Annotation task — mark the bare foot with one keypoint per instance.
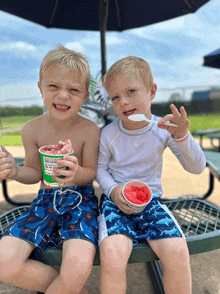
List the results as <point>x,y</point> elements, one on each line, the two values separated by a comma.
<point>84,291</point>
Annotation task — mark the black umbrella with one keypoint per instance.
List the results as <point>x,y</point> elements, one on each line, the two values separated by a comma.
<point>212,59</point>
<point>99,15</point>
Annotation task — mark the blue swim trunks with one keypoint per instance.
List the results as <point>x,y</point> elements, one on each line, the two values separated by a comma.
<point>155,222</point>
<point>59,214</point>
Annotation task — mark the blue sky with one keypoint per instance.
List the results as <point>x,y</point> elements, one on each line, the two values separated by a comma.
<point>174,49</point>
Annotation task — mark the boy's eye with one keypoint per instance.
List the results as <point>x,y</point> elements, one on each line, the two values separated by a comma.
<point>74,90</point>
<point>114,98</point>
<point>53,86</point>
<point>131,91</point>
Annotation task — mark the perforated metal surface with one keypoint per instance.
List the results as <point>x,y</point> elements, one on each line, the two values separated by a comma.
<point>199,220</point>
<point>195,216</point>
<point>7,218</point>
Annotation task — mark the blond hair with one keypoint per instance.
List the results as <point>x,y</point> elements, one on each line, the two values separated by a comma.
<point>64,57</point>
<point>131,65</point>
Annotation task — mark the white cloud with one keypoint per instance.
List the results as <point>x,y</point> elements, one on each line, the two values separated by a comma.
<point>20,94</point>
<point>92,38</point>
<point>76,46</point>
<point>20,46</point>
<point>113,39</point>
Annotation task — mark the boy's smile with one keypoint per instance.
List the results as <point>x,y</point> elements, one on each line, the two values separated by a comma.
<point>61,107</point>
<point>130,96</point>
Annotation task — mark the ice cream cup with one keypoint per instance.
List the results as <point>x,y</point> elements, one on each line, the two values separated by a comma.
<point>137,208</point>
<point>49,162</point>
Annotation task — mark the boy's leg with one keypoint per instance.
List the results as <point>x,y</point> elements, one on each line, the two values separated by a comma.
<point>17,269</point>
<point>174,254</point>
<point>77,262</point>
<point>115,251</point>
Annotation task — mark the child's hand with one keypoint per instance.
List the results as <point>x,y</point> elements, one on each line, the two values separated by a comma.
<point>69,161</point>
<point>177,118</point>
<point>8,169</point>
<point>117,198</point>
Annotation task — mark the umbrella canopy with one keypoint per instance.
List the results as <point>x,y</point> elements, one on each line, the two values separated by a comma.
<point>99,15</point>
<point>212,59</point>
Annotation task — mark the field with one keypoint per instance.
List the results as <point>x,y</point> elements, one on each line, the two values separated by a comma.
<point>198,122</point>
<point>13,139</point>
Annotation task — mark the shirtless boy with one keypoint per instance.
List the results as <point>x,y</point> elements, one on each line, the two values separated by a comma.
<point>64,216</point>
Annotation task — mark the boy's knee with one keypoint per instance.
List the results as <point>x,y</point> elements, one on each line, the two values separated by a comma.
<point>81,267</point>
<point>9,268</point>
<point>115,255</point>
<point>178,253</point>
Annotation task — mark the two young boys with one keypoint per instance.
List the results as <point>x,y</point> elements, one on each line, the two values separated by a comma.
<point>128,150</point>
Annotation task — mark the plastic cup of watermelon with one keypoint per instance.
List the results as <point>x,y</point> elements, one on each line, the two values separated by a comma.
<point>49,162</point>
<point>138,195</point>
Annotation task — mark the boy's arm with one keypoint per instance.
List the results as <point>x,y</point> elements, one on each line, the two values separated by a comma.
<point>105,180</point>
<point>182,144</point>
<point>31,172</point>
<point>189,154</point>
<point>84,173</point>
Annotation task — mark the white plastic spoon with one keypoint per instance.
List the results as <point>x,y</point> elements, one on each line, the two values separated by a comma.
<point>141,117</point>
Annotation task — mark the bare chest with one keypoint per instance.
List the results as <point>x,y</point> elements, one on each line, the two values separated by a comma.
<point>76,138</point>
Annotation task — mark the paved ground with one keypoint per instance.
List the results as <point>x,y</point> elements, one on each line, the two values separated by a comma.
<point>176,182</point>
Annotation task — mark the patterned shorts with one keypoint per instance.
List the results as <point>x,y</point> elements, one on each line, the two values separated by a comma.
<point>59,214</point>
<point>155,222</point>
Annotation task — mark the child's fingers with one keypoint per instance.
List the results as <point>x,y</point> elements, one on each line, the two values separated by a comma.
<point>4,174</point>
<point>122,200</point>
<point>174,110</point>
<point>126,209</point>
<point>168,117</point>
<point>183,113</point>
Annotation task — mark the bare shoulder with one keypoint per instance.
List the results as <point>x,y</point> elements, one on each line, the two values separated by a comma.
<point>33,126</point>
<point>88,126</point>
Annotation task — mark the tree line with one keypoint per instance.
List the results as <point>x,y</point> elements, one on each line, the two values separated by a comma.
<point>20,111</point>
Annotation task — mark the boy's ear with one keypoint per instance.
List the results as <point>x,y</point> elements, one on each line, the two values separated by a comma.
<point>153,91</point>
<point>39,86</point>
<point>86,96</point>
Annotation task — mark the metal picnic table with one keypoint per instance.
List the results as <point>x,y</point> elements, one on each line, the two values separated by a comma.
<point>213,136</point>
<point>208,132</point>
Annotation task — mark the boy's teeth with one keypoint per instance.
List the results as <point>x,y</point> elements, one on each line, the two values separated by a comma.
<point>62,106</point>
<point>127,112</point>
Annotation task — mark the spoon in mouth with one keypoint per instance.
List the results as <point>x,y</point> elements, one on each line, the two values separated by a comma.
<point>141,117</point>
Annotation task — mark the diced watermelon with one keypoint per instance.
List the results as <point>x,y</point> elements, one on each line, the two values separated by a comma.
<point>137,195</point>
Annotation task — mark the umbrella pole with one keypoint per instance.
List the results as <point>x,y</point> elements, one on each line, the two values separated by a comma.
<point>103,16</point>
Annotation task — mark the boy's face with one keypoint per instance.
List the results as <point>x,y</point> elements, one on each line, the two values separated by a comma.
<point>63,92</point>
<point>130,96</point>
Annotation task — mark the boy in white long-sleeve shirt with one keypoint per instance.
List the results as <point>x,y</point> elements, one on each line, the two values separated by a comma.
<point>133,151</point>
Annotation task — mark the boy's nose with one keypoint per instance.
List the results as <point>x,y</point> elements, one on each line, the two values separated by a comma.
<point>63,93</point>
<point>124,100</point>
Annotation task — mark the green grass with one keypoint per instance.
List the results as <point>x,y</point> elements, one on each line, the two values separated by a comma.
<point>204,122</point>
<point>13,139</point>
<point>15,121</point>
<point>198,122</point>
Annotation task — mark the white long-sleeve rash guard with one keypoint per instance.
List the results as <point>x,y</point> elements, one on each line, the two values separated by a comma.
<point>126,155</point>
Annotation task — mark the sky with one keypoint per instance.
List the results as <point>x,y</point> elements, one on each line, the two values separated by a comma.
<point>174,49</point>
